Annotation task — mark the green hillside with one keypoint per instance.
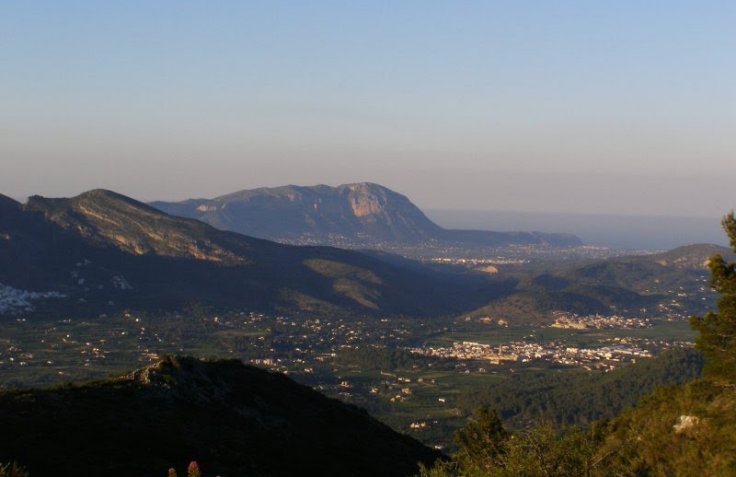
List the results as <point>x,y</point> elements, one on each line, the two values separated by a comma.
<point>687,430</point>
<point>672,283</point>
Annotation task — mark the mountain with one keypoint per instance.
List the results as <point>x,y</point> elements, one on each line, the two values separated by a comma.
<point>102,250</point>
<point>231,418</point>
<point>679,273</point>
<point>672,283</point>
<point>355,215</point>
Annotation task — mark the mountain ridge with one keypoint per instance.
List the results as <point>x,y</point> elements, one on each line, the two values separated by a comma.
<point>105,251</point>
<point>356,214</point>
<point>105,247</point>
<point>640,284</point>
<point>232,418</point>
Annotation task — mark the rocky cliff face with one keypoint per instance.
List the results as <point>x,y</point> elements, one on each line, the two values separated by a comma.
<point>353,213</point>
<point>362,214</point>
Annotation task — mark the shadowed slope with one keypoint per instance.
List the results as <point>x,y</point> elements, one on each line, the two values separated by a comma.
<point>104,248</point>
<point>233,419</point>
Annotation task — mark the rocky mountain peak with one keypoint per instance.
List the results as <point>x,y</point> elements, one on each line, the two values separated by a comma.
<point>358,215</point>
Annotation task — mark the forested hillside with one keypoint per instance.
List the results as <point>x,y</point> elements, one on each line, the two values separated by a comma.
<point>687,430</point>
<point>579,397</point>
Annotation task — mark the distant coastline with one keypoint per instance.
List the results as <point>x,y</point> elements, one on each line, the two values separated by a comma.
<point>617,231</point>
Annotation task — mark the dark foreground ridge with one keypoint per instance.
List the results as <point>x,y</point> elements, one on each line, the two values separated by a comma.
<point>235,420</point>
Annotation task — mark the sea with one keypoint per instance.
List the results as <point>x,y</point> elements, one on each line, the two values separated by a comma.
<point>635,232</point>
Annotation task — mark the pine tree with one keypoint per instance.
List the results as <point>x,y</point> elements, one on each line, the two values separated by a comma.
<point>717,339</point>
<point>483,440</point>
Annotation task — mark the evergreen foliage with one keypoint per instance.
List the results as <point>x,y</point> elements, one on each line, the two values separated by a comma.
<point>679,431</point>
<point>580,397</point>
<point>13,469</point>
<point>717,338</point>
<point>483,442</point>
<point>487,449</point>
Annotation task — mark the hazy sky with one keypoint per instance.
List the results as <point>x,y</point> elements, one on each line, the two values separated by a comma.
<point>549,105</point>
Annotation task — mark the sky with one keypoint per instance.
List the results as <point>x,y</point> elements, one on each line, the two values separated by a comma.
<point>616,107</point>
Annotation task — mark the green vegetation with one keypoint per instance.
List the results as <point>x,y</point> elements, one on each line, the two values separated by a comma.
<point>717,337</point>
<point>664,284</point>
<point>676,431</point>
<point>487,449</point>
<point>576,397</point>
<point>443,396</point>
<point>362,360</point>
<point>376,366</point>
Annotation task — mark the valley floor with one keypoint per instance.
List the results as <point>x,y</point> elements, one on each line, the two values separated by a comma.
<point>424,378</point>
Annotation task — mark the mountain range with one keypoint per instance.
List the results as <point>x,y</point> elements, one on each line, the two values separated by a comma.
<point>231,418</point>
<point>102,250</point>
<point>350,215</point>
<point>667,283</point>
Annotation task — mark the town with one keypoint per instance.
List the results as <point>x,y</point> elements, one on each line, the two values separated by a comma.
<point>605,357</point>
<point>598,322</point>
<point>397,368</point>
<point>305,345</point>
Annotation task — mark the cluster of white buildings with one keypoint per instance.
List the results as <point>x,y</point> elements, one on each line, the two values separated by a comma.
<point>520,351</point>
<point>14,300</point>
<point>475,262</point>
<point>598,322</point>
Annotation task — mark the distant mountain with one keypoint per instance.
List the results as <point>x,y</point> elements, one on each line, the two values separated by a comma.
<point>101,251</point>
<point>361,214</point>
<point>105,251</point>
<point>231,418</point>
<point>667,270</point>
<point>669,283</point>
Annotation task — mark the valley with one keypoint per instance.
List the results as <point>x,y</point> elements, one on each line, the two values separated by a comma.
<point>407,372</point>
<point>419,334</point>
<point>370,239</point>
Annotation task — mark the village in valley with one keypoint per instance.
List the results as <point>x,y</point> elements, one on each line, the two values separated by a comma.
<point>54,351</point>
<point>408,371</point>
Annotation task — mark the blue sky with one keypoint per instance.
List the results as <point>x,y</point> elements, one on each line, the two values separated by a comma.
<point>572,106</point>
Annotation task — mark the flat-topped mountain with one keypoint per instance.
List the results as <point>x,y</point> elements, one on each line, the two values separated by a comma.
<point>362,214</point>
<point>351,212</point>
<point>104,249</point>
<point>233,419</point>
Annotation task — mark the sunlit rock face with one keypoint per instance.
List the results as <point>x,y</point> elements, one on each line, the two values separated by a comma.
<point>362,214</point>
